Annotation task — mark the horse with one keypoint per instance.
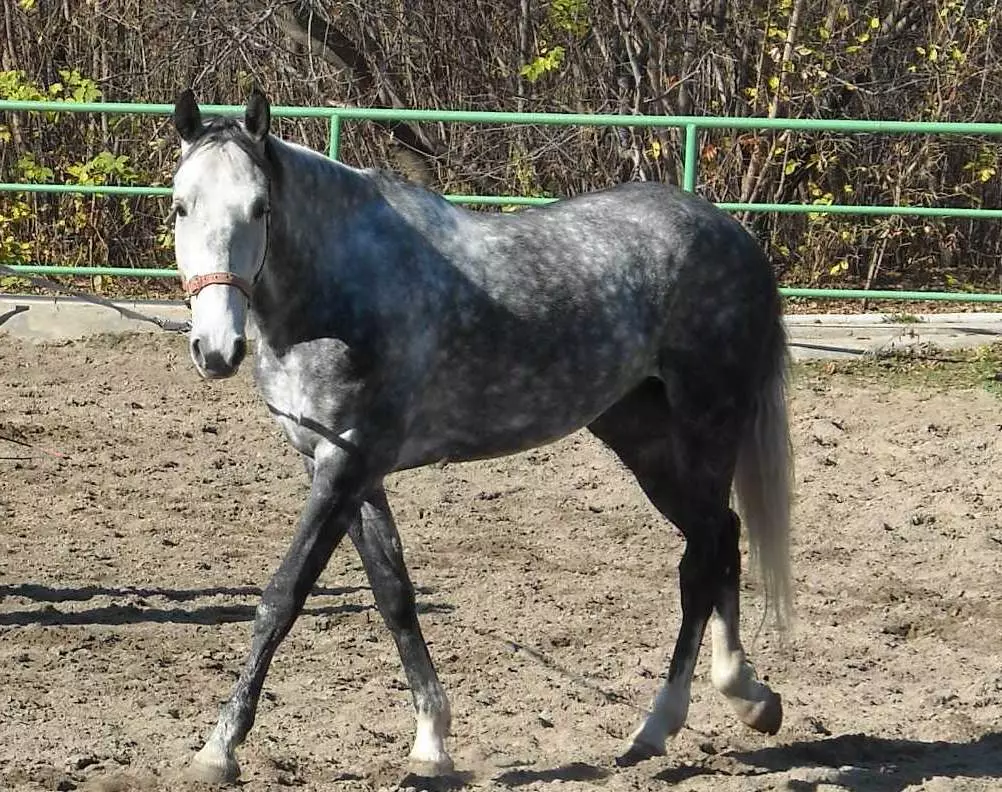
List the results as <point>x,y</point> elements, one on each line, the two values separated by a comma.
<point>396,330</point>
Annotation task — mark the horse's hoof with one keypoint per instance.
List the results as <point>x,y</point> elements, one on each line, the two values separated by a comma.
<point>431,768</point>
<point>211,766</point>
<point>765,716</point>
<point>638,752</point>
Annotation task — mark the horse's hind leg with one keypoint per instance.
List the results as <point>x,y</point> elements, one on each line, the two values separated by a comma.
<point>685,469</point>
<point>731,673</point>
<point>376,539</point>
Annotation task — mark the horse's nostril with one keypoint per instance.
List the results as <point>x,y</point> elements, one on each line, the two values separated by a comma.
<point>196,350</point>
<point>239,351</point>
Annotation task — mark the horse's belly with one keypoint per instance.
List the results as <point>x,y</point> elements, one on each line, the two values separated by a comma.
<point>457,447</point>
<point>459,430</point>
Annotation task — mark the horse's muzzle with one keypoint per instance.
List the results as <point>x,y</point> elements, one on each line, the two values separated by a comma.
<point>217,364</point>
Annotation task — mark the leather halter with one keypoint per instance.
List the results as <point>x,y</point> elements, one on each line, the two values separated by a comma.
<point>194,285</point>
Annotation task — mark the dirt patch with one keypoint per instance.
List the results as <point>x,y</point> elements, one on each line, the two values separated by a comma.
<point>146,509</point>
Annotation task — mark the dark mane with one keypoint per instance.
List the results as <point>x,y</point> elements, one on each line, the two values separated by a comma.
<point>219,131</point>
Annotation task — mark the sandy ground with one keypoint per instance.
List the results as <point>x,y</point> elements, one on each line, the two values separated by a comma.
<point>130,568</point>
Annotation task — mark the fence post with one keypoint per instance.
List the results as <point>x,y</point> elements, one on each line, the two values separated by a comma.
<point>690,160</point>
<point>335,137</point>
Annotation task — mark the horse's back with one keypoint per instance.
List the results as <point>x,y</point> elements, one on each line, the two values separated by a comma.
<point>676,239</point>
<point>653,249</point>
<point>549,316</point>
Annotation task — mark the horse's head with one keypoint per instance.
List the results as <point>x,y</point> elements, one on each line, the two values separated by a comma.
<point>222,198</point>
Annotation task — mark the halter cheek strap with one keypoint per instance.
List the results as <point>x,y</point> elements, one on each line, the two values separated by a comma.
<point>194,285</point>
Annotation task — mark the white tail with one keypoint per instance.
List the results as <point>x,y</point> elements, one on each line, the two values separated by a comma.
<point>763,482</point>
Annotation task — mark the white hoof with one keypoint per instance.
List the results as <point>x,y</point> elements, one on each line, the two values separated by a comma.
<point>430,767</point>
<point>212,766</point>
<point>637,752</point>
<point>429,757</point>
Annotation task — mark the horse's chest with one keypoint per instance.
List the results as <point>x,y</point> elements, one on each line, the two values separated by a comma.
<point>304,412</point>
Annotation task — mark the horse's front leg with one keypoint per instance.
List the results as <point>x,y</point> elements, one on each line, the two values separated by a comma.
<point>335,497</point>
<point>378,543</point>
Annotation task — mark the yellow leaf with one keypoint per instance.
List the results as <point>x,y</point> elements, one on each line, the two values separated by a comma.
<point>874,23</point>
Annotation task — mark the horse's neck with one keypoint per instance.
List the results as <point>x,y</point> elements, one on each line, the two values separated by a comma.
<point>317,197</point>
<point>313,206</point>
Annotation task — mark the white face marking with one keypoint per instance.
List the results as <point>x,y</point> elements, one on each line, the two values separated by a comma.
<point>220,226</point>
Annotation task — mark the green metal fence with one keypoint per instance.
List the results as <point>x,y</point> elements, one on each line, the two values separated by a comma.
<point>690,125</point>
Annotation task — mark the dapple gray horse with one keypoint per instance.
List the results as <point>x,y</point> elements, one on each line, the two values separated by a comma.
<point>396,330</point>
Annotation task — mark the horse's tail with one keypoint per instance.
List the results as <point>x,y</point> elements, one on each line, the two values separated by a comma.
<point>763,482</point>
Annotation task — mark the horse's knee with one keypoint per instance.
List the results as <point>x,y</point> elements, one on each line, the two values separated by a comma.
<point>713,546</point>
<point>712,559</point>
<point>276,608</point>
<point>397,604</point>
<point>310,467</point>
<point>728,549</point>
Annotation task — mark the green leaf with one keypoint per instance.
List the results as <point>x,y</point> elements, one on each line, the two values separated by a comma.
<point>546,62</point>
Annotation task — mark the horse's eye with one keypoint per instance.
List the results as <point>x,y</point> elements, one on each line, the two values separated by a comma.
<point>258,210</point>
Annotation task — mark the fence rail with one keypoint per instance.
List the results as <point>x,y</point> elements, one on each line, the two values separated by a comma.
<point>690,126</point>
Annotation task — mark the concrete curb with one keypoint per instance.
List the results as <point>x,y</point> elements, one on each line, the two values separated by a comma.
<point>811,335</point>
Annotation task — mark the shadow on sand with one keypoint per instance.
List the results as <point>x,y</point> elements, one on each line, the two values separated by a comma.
<point>137,611</point>
<point>855,762</point>
<point>860,763</point>
<point>575,771</point>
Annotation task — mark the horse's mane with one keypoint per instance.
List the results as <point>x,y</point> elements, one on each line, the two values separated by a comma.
<point>219,131</point>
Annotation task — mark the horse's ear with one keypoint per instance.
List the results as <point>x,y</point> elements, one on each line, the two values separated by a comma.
<point>187,116</point>
<point>257,117</point>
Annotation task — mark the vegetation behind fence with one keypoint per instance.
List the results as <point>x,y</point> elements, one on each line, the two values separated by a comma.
<point>923,60</point>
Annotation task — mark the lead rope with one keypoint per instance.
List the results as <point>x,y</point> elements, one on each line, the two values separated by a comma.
<point>170,325</point>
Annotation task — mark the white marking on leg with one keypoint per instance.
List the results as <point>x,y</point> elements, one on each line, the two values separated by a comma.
<point>429,753</point>
<point>215,763</point>
<point>735,677</point>
<point>729,669</point>
<point>668,712</point>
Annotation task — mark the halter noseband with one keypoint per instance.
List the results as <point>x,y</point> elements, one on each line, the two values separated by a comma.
<point>194,285</point>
